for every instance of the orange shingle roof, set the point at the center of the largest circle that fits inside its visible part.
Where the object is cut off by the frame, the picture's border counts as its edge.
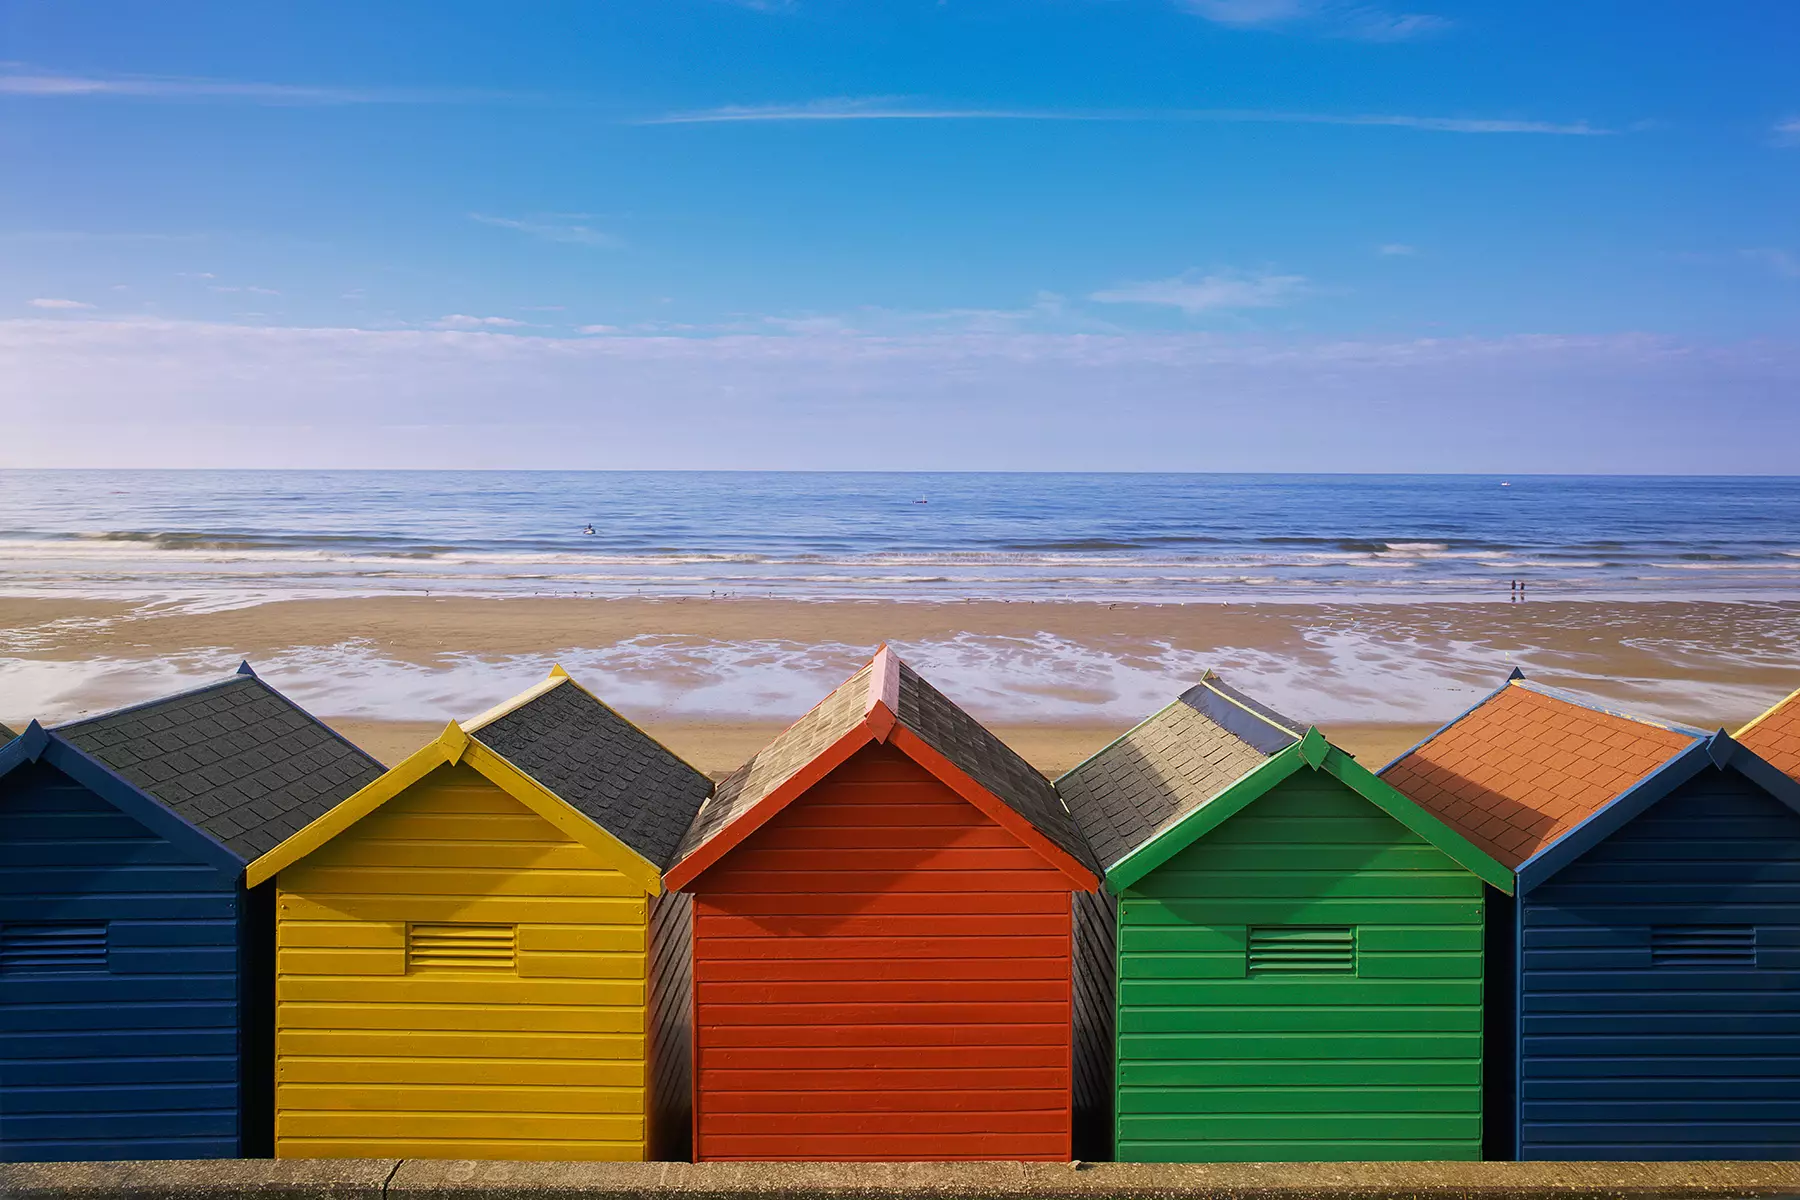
(1525, 766)
(1776, 735)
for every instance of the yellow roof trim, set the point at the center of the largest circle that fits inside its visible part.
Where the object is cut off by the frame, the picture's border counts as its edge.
(554, 809)
(450, 747)
(397, 779)
(519, 701)
(1211, 677)
(1766, 713)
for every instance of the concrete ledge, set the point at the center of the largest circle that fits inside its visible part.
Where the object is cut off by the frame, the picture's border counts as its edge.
(200, 1179)
(428, 1179)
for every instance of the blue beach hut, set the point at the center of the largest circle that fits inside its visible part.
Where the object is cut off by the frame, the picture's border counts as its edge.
(135, 969)
(1645, 992)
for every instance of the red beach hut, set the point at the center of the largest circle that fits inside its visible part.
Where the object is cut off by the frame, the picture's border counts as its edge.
(881, 939)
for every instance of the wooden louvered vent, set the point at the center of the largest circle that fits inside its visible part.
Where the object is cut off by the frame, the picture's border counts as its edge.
(65, 946)
(461, 947)
(1302, 950)
(1703, 945)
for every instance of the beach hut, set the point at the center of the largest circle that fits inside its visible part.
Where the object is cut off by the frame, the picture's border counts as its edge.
(464, 946)
(134, 965)
(881, 939)
(1299, 946)
(1775, 735)
(1646, 997)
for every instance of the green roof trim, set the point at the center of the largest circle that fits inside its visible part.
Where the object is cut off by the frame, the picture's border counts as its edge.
(1312, 751)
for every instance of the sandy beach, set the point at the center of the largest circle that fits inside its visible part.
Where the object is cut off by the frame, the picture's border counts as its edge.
(717, 678)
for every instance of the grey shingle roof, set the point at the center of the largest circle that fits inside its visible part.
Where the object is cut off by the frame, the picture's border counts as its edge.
(928, 713)
(236, 759)
(603, 766)
(6, 734)
(777, 762)
(990, 762)
(1170, 764)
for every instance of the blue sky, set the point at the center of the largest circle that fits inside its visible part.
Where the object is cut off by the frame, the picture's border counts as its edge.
(1206, 234)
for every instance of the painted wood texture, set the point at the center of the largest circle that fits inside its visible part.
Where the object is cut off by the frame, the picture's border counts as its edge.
(1626, 1057)
(882, 973)
(129, 1050)
(377, 1056)
(1218, 1065)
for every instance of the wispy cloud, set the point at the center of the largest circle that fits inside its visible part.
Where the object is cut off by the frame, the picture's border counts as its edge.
(566, 228)
(254, 291)
(1324, 18)
(50, 302)
(420, 397)
(465, 321)
(1777, 260)
(883, 108)
(46, 85)
(1787, 131)
(1223, 291)
(1396, 250)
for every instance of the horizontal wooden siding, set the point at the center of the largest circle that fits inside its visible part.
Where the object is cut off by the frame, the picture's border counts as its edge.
(1648, 1031)
(515, 1028)
(1290, 1056)
(882, 973)
(118, 984)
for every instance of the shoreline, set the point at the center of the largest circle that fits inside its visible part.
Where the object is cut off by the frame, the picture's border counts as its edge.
(1066, 665)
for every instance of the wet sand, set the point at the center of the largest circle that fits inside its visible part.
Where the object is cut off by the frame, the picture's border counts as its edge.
(1377, 676)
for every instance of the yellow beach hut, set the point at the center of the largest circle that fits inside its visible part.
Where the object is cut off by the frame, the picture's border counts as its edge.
(464, 947)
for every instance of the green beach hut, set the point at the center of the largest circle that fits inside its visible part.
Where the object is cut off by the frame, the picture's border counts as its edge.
(1298, 947)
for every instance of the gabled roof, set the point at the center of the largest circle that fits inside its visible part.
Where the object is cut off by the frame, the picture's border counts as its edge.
(1775, 735)
(236, 760)
(606, 768)
(583, 768)
(1311, 752)
(888, 702)
(1528, 764)
(1170, 764)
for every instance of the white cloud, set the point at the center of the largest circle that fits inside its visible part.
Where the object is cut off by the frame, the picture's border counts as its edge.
(47, 302)
(195, 275)
(464, 321)
(1222, 291)
(880, 108)
(598, 329)
(1176, 401)
(1396, 249)
(1327, 18)
(1787, 131)
(53, 86)
(254, 291)
(555, 228)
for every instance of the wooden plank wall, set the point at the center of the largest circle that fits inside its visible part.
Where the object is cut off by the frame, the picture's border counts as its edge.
(1629, 1057)
(544, 1058)
(1384, 1062)
(1096, 995)
(882, 973)
(672, 1027)
(135, 1056)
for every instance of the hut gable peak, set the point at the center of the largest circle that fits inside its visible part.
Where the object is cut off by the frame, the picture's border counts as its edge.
(1171, 763)
(603, 766)
(1775, 735)
(567, 748)
(887, 702)
(234, 759)
(1528, 764)
(1311, 751)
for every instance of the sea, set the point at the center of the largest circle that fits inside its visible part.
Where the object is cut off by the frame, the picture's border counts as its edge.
(211, 539)
(1379, 556)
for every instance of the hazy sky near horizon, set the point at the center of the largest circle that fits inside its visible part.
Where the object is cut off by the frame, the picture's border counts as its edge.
(932, 234)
